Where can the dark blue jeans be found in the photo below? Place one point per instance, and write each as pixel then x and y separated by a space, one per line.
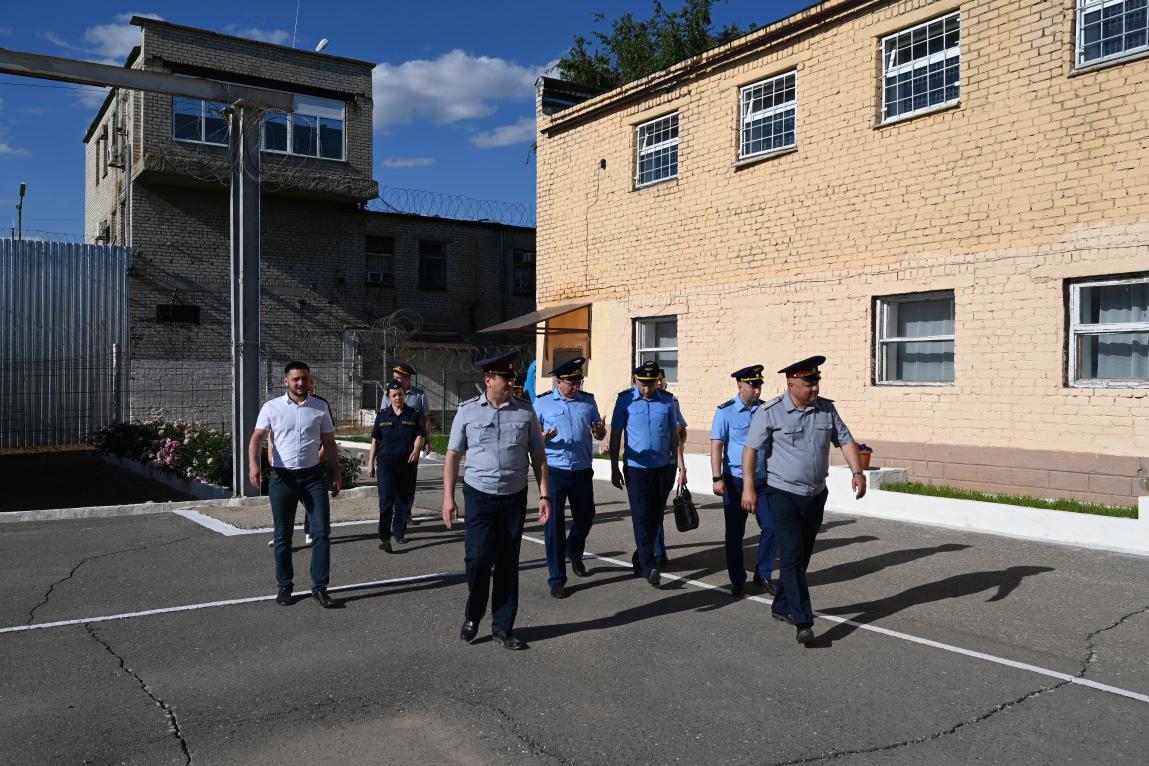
pixel 736 530
pixel 578 487
pixel 494 532
pixel 396 494
pixel 796 520
pixel 647 489
pixel 287 489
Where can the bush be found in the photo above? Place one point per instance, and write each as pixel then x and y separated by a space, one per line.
pixel 184 449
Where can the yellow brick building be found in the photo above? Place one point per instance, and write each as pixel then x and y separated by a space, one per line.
pixel 949 200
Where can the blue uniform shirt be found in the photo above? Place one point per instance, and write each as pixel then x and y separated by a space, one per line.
pixel 395 435
pixel 572 447
pixel 498 442
pixel 797 442
pixel 730 426
pixel 648 424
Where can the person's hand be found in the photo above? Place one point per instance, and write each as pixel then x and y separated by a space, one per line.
pixel 719 488
pixel 371 468
pixel 616 478
pixel 413 457
pixel 859 485
pixel 450 511
pixel 682 476
pixel 336 484
pixel 544 509
pixel 749 497
pixel 598 430
pixel 427 448
pixel 550 434
pixel 255 476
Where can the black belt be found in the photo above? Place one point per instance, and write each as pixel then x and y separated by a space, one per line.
pixel 298 471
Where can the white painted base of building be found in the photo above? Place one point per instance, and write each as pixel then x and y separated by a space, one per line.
pixel 193 487
pixel 1078 529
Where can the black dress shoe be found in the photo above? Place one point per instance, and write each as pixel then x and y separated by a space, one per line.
pixel 324 600
pixel 579 568
pixel 635 565
pixel 469 630
pixel 510 641
pixel 766 585
pixel 400 539
pixel 805 634
pixel 736 590
pixel 283 598
pixel 558 591
pixel 663 561
pixel 385 546
pixel 782 618
pixel 654 578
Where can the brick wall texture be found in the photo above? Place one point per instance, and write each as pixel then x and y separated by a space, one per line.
pixel 1036 177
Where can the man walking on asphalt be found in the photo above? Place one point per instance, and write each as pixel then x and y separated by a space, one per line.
pixel 299 423
pixel 795 430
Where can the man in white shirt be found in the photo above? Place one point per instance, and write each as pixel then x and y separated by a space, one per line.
pixel 299 424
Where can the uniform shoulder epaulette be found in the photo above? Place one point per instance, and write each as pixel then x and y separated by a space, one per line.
pixel 726 404
pixel 587 394
pixel 772 402
pixel 625 391
pixel 525 400
pixel 826 399
pixel 469 401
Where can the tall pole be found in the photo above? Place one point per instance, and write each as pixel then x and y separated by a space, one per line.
pixel 20 212
pixel 244 150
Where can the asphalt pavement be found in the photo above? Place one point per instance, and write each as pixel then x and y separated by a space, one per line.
pixel 959 648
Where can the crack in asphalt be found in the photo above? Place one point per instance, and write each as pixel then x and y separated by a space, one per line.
pixel 834 754
pixel 1091 655
pixel 169 712
pixel 512 726
pixel 65 578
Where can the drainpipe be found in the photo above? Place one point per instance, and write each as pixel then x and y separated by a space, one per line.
pixel 502 274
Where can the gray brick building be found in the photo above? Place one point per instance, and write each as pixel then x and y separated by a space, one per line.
pixel 333 273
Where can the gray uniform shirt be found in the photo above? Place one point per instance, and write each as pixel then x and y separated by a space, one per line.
pixel 498 443
pixel 797 442
pixel 416 400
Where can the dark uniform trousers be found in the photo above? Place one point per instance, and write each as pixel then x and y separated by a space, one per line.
pixel 647 490
pixel 494 532
pixel 286 489
pixel 578 487
pixel 395 477
pixel 669 474
pixel 736 530
pixel 796 520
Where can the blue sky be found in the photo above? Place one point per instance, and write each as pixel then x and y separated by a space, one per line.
pixel 454 94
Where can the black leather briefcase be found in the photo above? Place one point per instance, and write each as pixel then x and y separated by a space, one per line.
pixel 685 514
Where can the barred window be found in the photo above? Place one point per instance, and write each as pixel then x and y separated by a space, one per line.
pixel 768 115
pixel 657 151
pixel 1109 332
pixel 1110 29
pixel 432 265
pixel 380 257
pixel 523 273
pixel 920 67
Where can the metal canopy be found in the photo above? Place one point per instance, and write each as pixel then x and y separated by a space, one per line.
pixel 533 318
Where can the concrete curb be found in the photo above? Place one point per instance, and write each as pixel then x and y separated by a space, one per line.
pixel 193 487
pixel 1060 527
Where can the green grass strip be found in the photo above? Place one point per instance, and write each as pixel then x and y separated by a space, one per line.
pixel 438 441
pixel 1073 506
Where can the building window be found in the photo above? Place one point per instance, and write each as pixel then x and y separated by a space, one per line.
pixel 1111 29
pixel 313 129
pixel 920 68
pixel 656 340
pixel 657 151
pixel 194 119
pixel 380 253
pixel 768 113
pixel 1109 332
pixel 915 338
pixel 432 265
pixel 523 273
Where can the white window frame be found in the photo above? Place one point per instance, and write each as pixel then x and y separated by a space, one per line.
pixel 748 118
pixel 882 344
pixel 320 109
pixel 891 68
pixel 641 151
pixel 642 322
pixel 1085 7
pixel 1077 331
pixel 203 106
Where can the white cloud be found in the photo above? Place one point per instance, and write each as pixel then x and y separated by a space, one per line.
pixel 277 36
pixel 455 86
pixel 407 162
pixel 11 151
pixel 106 43
pixel 91 97
pixel 521 132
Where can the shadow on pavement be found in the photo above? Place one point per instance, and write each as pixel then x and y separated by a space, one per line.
pixel 853 570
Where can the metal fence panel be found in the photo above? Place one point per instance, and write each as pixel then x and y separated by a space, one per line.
pixel 64 339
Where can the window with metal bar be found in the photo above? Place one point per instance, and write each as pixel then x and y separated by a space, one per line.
pixel 769 111
pixel 432 265
pixel 380 261
pixel 657 147
pixel 1111 29
pixel 914 338
pixel 1109 332
pixel 920 67
pixel 523 273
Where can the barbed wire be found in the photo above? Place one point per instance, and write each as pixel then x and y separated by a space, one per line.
pixel 47 236
pixel 431 204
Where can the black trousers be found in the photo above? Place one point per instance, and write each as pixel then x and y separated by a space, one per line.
pixel 796 520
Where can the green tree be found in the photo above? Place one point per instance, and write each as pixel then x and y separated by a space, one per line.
pixel 634 48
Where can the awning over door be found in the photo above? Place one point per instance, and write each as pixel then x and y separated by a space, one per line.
pixel 542 315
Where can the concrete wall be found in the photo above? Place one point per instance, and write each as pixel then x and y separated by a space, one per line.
pixel 1035 178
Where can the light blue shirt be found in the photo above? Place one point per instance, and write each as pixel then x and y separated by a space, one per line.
pixel 730 426
pixel 797 442
pixel 295 430
pixel 498 442
pixel 572 447
pixel 648 425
